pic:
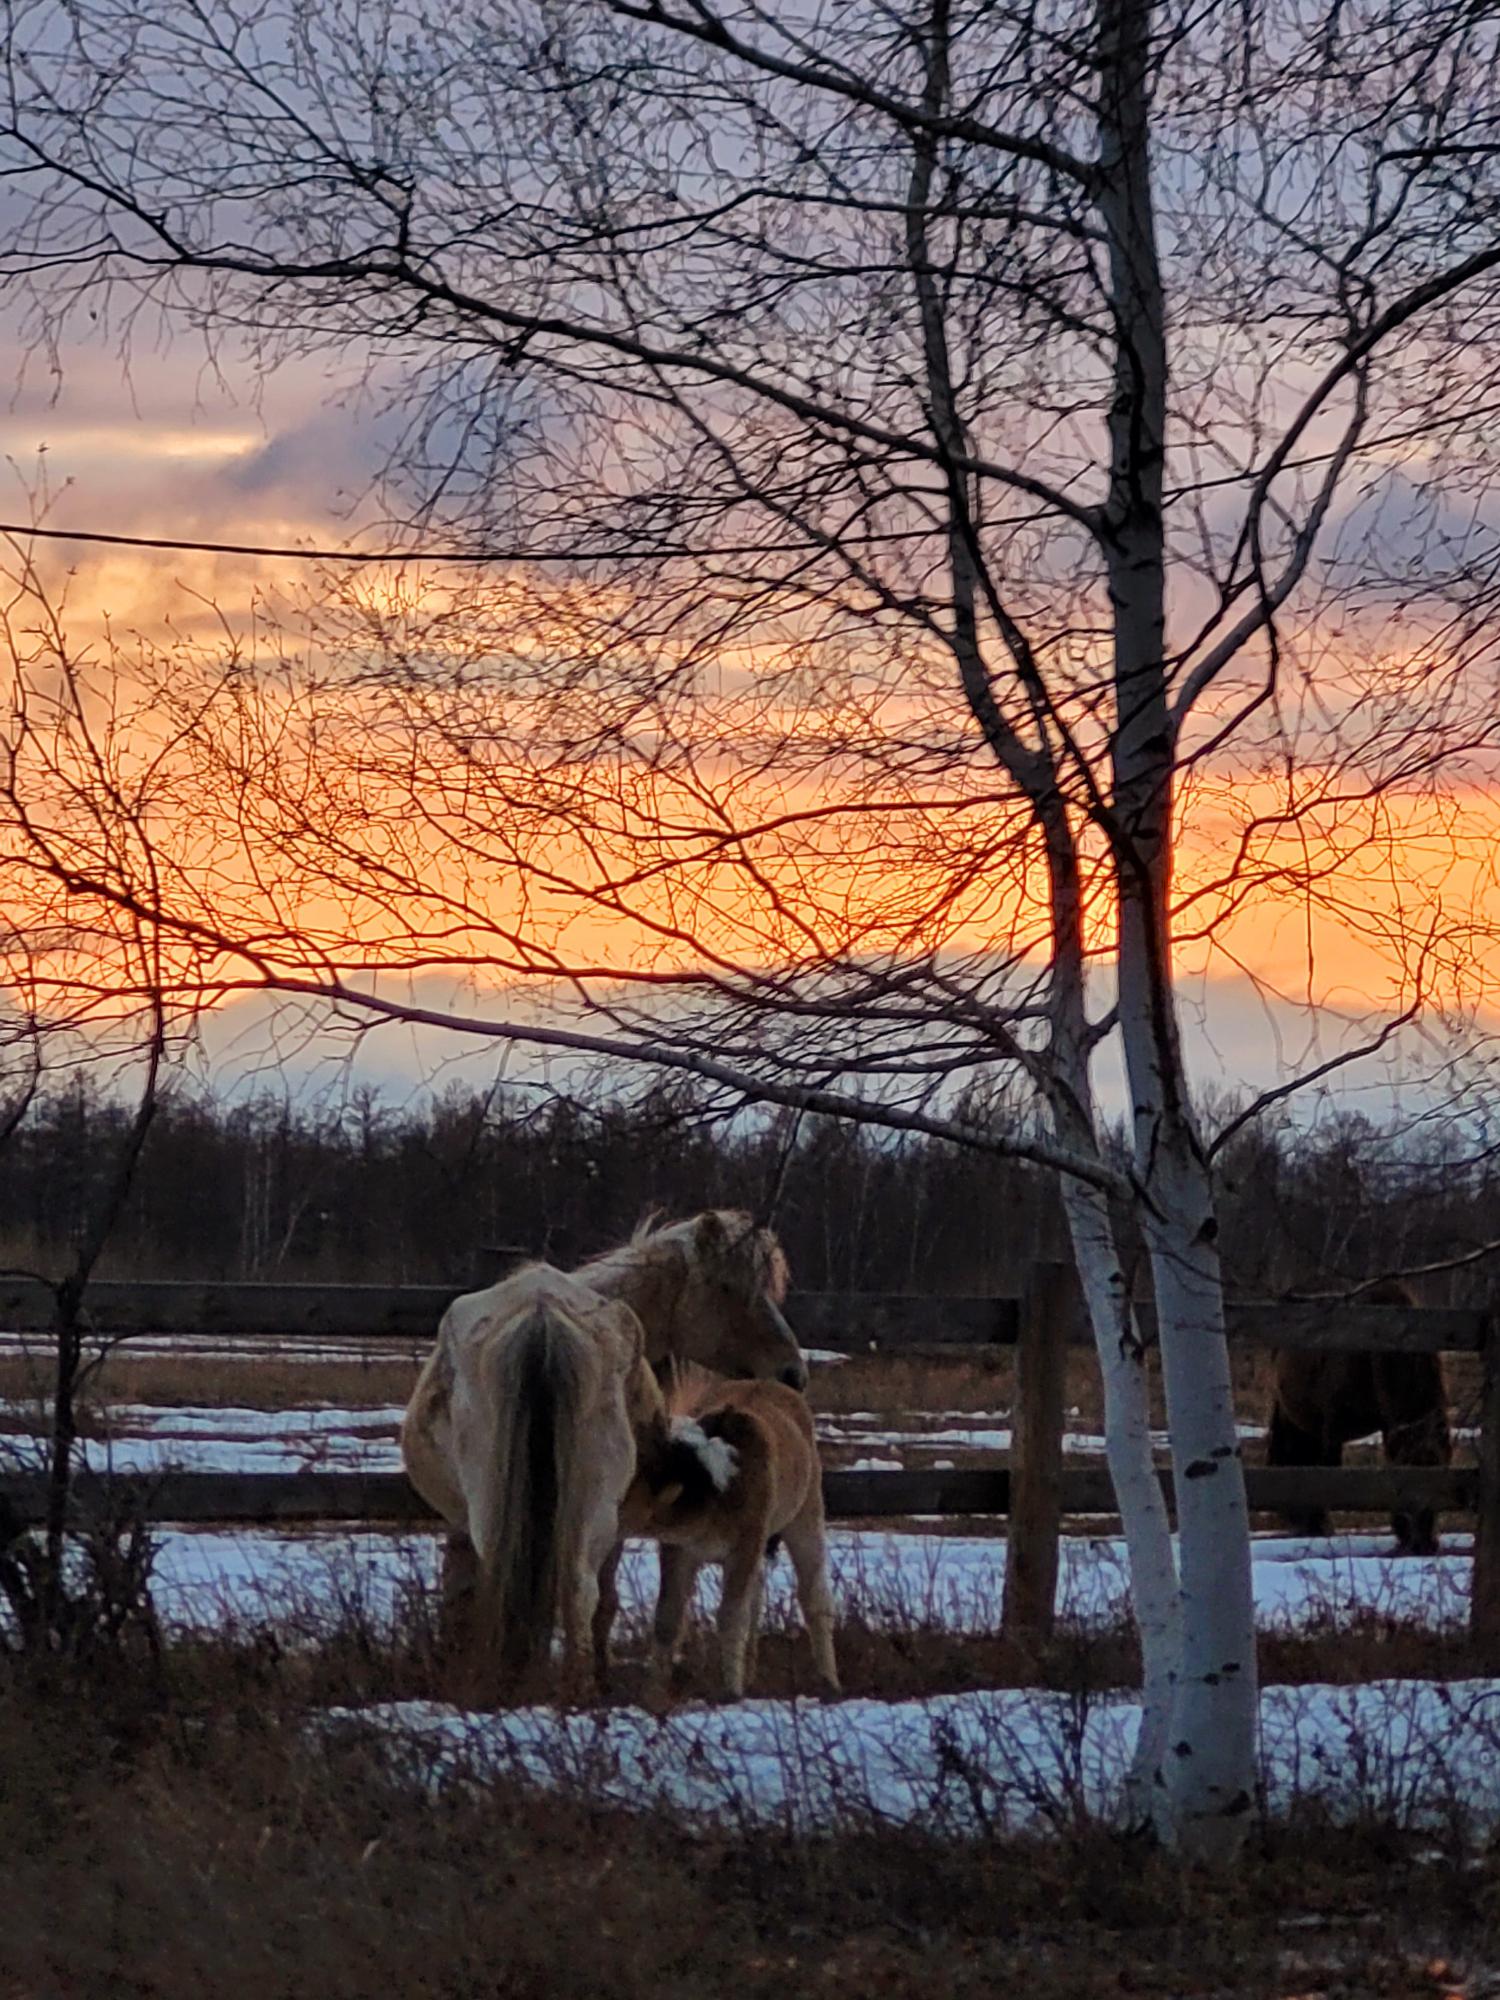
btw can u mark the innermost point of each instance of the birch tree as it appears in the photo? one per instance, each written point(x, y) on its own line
point(953, 475)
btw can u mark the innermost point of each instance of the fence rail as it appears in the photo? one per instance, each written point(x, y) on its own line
point(851, 1322)
point(1035, 1491)
point(264, 1498)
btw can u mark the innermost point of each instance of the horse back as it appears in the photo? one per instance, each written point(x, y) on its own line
point(769, 1429)
point(1354, 1395)
point(785, 1446)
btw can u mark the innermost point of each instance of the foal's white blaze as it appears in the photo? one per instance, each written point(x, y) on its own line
point(719, 1460)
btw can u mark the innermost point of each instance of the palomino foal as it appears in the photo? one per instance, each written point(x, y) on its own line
point(737, 1471)
point(523, 1432)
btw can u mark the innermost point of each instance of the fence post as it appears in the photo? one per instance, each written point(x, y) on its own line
point(1047, 1311)
point(1484, 1606)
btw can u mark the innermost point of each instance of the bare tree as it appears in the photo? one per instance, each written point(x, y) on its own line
point(959, 472)
point(89, 997)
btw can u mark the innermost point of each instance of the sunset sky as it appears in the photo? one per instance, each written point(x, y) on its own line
point(173, 448)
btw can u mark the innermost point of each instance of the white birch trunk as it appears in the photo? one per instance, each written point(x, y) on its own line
point(1122, 1357)
point(1208, 1774)
point(1143, 1512)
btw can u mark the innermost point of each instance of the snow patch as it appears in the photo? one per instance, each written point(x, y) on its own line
point(1418, 1753)
point(884, 1580)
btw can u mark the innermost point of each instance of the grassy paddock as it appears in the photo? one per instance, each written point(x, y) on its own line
point(896, 1666)
point(272, 1382)
point(176, 1832)
point(170, 1826)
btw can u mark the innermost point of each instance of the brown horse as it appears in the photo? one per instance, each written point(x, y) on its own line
point(523, 1433)
point(1324, 1401)
point(736, 1472)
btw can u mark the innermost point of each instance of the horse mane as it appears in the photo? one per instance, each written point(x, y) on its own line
point(742, 1253)
point(688, 1387)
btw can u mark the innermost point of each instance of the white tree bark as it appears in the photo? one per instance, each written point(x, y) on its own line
point(1122, 1356)
point(1143, 1512)
point(1208, 1775)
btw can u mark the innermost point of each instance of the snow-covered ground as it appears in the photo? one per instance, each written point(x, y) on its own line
point(1414, 1752)
point(146, 1438)
point(887, 1580)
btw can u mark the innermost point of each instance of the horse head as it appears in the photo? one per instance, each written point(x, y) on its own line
point(728, 1313)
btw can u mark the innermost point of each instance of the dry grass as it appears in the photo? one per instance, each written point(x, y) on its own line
point(182, 1836)
point(890, 1384)
point(332, 1642)
point(216, 1381)
point(984, 1380)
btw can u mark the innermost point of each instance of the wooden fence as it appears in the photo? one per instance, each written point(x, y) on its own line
point(1035, 1491)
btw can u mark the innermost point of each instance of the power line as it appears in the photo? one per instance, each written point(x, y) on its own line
point(25, 531)
point(28, 532)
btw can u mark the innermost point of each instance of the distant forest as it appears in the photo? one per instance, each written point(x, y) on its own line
point(453, 1190)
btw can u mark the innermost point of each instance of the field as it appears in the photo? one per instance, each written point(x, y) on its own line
point(280, 1747)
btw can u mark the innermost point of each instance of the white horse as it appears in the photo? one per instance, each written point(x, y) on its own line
point(523, 1432)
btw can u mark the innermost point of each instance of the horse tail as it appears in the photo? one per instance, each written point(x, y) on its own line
point(692, 1456)
point(530, 1515)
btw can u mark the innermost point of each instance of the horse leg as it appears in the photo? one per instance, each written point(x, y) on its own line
point(605, 1614)
point(1287, 1443)
point(1425, 1442)
point(580, 1603)
point(752, 1637)
point(807, 1546)
point(590, 1602)
point(739, 1608)
point(457, 1596)
point(679, 1572)
point(1413, 1400)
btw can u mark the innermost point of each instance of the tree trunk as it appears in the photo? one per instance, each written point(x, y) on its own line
point(1122, 1357)
point(1209, 1772)
point(1143, 1511)
point(1208, 1776)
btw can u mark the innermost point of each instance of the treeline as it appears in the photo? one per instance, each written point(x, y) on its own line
point(455, 1187)
point(451, 1190)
